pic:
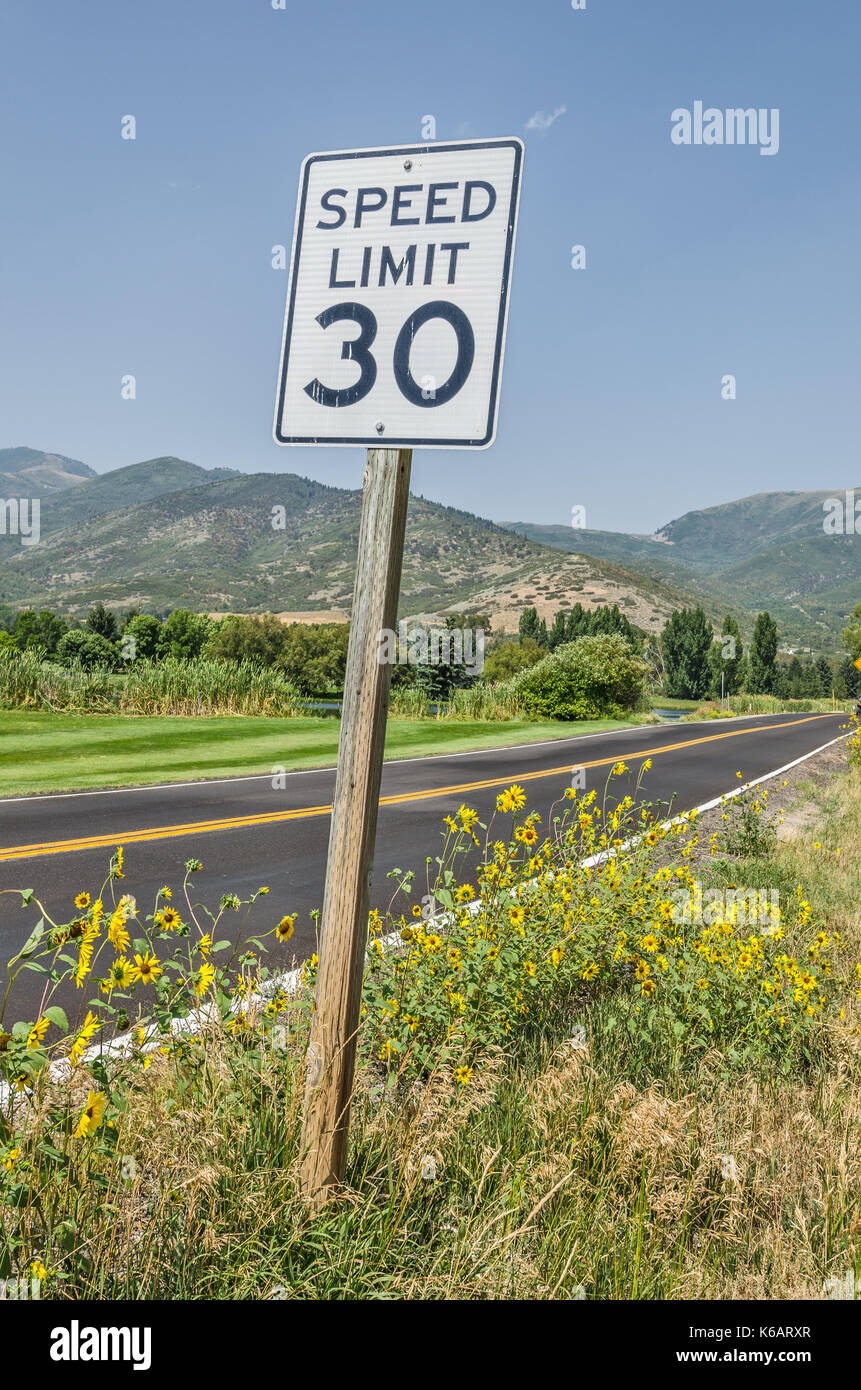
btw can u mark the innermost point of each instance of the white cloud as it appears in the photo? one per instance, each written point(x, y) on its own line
point(542, 120)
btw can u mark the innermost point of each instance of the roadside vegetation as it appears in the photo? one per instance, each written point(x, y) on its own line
point(170, 687)
point(760, 704)
point(190, 664)
point(574, 1082)
point(44, 659)
point(586, 670)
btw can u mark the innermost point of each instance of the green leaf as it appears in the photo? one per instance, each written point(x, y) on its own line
point(33, 939)
point(17, 1196)
point(50, 1152)
point(68, 1233)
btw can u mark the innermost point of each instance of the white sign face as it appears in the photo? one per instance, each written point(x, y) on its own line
point(395, 325)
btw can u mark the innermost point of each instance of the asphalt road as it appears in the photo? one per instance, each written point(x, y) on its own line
point(248, 832)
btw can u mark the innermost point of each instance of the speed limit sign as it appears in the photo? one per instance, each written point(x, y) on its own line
point(396, 311)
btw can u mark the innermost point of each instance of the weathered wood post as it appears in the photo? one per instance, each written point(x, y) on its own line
point(344, 923)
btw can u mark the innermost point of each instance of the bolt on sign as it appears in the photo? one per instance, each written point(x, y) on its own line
point(396, 312)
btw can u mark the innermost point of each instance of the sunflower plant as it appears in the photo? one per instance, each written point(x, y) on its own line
point(748, 825)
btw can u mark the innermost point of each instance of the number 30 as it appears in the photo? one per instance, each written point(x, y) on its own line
point(358, 350)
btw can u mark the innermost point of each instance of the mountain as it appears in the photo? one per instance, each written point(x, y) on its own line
point(719, 538)
point(103, 493)
point(213, 547)
point(166, 533)
point(98, 494)
point(769, 550)
point(31, 473)
point(648, 551)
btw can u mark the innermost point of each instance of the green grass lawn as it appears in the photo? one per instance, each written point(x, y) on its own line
point(667, 702)
point(44, 752)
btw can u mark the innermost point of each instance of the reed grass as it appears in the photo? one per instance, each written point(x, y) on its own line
point(170, 687)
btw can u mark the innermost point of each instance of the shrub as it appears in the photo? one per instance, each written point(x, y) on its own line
point(88, 650)
point(314, 656)
point(593, 678)
point(748, 829)
point(44, 629)
point(146, 631)
point(247, 638)
point(184, 633)
point(506, 659)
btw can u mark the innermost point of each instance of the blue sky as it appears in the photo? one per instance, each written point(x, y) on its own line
point(152, 257)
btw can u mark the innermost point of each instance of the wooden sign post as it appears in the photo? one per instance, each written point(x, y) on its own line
point(344, 924)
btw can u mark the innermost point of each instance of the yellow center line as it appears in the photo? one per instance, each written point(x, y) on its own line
point(169, 832)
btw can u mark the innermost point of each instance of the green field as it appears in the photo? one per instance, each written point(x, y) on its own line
point(668, 702)
point(44, 752)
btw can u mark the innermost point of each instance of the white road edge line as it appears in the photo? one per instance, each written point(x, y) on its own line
point(289, 980)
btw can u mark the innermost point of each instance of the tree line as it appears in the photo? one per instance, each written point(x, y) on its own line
point(313, 658)
point(686, 660)
point(693, 664)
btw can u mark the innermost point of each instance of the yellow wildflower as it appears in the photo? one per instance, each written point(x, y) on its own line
point(37, 1034)
point(85, 951)
point(205, 977)
point(79, 1046)
point(91, 1115)
point(285, 927)
point(147, 969)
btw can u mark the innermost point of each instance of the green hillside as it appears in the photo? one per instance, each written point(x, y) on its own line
point(809, 585)
point(213, 547)
point(764, 551)
point(719, 537)
point(103, 493)
point(645, 552)
point(166, 533)
point(32, 473)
